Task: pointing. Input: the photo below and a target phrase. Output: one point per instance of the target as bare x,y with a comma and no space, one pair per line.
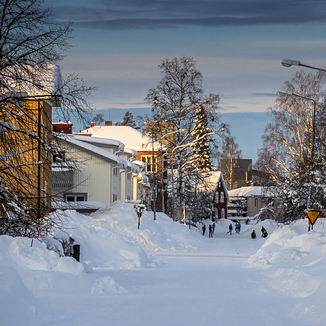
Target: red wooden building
220,197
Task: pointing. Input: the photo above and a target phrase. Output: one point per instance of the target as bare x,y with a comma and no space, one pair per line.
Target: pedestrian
264,233
213,228
204,229
253,234
210,231
238,227
230,228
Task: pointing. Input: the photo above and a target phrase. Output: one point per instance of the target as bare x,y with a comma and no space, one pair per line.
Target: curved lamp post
289,63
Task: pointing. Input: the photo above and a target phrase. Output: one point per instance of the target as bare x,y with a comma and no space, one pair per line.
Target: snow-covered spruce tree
31,45
201,152
175,100
128,120
287,145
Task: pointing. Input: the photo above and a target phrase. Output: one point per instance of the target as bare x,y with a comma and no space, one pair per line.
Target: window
115,172
115,197
222,213
128,176
222,197
76,197
256,202
148,159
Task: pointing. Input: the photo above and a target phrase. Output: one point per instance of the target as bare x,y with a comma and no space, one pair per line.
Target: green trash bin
76,254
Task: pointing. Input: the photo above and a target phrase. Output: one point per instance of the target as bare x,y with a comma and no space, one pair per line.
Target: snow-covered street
201,288
165,274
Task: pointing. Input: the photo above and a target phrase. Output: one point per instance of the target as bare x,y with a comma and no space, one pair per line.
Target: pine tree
128,120
201,154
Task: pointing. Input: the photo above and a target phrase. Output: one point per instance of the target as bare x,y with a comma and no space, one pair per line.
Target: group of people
211,230
237,227
264,233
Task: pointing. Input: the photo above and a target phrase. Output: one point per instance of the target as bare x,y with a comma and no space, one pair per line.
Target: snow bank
161,234
294,258
17,305
19,254
101,246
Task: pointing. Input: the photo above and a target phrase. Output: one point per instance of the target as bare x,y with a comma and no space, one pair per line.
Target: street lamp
153,172
312,142
288,63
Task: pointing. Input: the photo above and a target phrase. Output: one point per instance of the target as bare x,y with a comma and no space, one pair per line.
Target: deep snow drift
291,261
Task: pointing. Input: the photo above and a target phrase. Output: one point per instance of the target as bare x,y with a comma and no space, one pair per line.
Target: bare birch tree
31,44
175,100
287,144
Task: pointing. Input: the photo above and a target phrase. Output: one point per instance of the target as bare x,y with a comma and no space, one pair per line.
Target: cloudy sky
237,45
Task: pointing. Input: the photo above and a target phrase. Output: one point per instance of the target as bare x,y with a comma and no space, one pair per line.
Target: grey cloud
125,14
264,95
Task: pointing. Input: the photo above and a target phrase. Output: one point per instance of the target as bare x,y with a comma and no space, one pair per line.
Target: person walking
204,229
213,228
253,234
264,233
230,228
210,231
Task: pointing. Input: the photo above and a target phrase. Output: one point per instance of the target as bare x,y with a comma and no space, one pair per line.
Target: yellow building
25,148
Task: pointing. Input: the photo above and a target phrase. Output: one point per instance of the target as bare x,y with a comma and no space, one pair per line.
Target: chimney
92,124
62,127
108,123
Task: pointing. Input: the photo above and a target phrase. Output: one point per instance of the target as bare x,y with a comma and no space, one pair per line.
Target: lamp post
153,172
289,63
312,143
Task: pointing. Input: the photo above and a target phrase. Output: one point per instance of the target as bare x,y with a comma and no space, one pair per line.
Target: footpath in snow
164,274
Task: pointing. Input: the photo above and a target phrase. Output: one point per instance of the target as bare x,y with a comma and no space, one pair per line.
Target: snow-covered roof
213,177
130,151
99,151
217,176
250,191
31,81
78,205
142,176
139,163
101,141
129,136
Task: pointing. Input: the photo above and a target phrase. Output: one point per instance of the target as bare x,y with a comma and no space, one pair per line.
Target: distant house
91,170
247,201
237,172
135,141
220,194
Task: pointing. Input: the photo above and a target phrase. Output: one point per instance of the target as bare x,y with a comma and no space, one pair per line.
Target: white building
247,201
93,169
135,142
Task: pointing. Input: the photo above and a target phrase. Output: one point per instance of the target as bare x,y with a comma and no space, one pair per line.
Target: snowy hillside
38,287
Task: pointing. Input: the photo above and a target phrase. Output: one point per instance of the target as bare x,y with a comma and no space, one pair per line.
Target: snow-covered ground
164,274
